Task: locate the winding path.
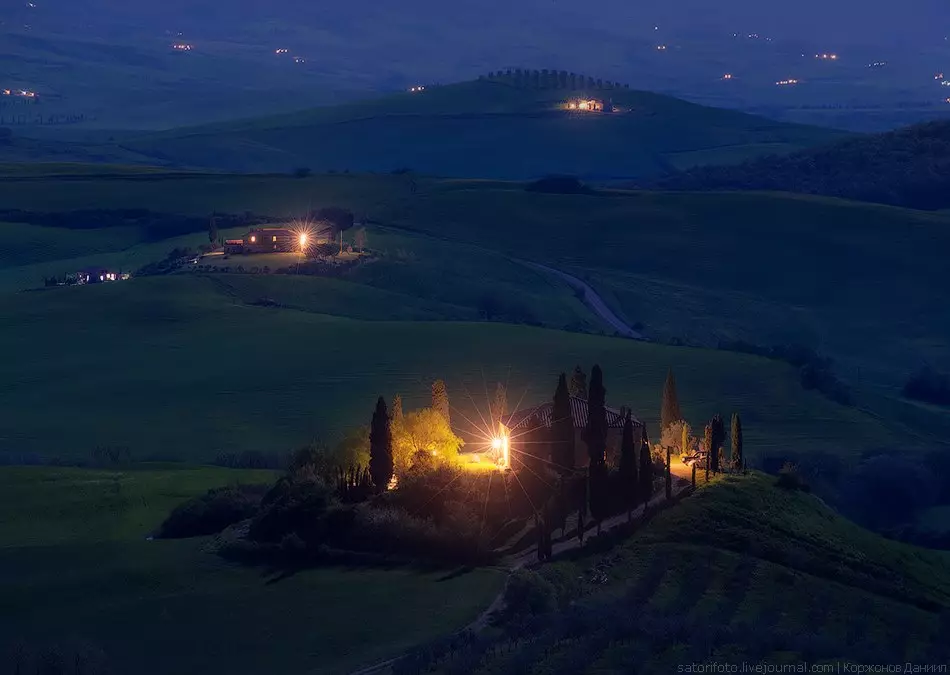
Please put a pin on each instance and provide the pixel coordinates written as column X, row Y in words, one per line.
column 590, row 298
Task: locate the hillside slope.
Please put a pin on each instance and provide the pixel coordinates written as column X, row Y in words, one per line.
column 487, row 128
column 908, row 167
column 742, row 571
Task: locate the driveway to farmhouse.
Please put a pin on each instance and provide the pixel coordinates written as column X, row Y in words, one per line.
column 590, row 298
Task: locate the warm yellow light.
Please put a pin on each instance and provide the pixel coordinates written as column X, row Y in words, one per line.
column 303, row 239
column 253, row 239
column 496, row 444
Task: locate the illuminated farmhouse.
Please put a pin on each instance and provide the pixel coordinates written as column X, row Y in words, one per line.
column 518, row 425
column 589, row 105
column 270, row 240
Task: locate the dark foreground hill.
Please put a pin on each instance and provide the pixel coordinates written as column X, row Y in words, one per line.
column 743, row 572
column 908, row 167
column 504, row 127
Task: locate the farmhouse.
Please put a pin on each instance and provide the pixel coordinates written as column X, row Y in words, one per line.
column 589, row 105
column 518, row 424
column 268, row 240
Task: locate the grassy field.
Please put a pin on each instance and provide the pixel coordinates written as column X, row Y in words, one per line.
column 487, row 129
column 76, row 566
column 175, row 367
column 857, row 282
column 779, row 568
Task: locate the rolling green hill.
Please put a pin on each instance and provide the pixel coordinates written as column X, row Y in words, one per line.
column 76, row 539
column 908, row 167
column 742, row 571
column 857, row 282
column 485, row 128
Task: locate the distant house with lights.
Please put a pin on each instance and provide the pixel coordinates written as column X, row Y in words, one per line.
column 589, row 105
column 266, row 240
column 519, row 423
column 98, row 275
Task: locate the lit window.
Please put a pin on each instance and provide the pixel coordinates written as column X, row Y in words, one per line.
column 253, row 239
column 275, row 238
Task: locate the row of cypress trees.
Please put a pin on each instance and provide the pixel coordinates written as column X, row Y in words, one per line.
column 550, row 79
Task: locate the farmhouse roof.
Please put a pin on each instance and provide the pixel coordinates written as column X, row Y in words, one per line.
column 579, row 411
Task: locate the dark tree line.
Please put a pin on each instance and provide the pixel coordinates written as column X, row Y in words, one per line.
column 909, row 167
column 550, row 79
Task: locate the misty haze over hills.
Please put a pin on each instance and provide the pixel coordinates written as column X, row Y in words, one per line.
column 111, row 62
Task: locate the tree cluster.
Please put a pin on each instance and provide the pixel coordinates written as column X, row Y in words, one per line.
column 909, row 167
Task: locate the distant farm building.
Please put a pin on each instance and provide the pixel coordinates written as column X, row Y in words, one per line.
column 589, row 105
column 98, row 275
column 519, row 423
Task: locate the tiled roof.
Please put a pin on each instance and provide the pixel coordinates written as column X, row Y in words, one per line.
column 520, row 418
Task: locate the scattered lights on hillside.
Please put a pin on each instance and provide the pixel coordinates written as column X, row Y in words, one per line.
column 877, row 64
column 727, row 76
column 661, row 48
column 786, row 83
column 182, row 47
column 939, row 76
column 22, row 93
column 826, row 57
column 281, row 51
column 299, row 59
column 416, row 89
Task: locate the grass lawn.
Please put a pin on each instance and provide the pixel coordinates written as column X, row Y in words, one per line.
column 75, row 565
column 173, row 367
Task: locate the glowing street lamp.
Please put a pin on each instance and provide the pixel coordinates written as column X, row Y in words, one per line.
column 303, row 242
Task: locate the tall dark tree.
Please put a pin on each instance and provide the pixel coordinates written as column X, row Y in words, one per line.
column 440, row 400
column 629, row 477
column 213, row 231
column 562, row 428
column 499, row 406
column 737, row 456
column 529, row 461
column 718, row 440
column 646, row 469
column 595, row 434
column 670, row 409
column 581, row 508
column 578, row 385
column 669, row 473
column 381, row 447
column 599, row 492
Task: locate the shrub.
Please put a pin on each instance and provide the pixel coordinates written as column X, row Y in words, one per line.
column 296, row 504
column 213, row 511
column 528, row 593
column 790, row 479
column 928, row 386
column 559, row 184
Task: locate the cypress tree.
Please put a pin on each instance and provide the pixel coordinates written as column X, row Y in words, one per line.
column 595, row 435
column 582, row 509
column 628, row 467
column 718, row 439
column 440, row 400
column 562, row 428
column 707, row 447
column 669, row 475
column 737, row 457
column 599, row 479
column 694, row 475
column 499, row 406
column 670, row 409
column 646, row 470
column 578, row 385
column 381, row 447
column 396, row 416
